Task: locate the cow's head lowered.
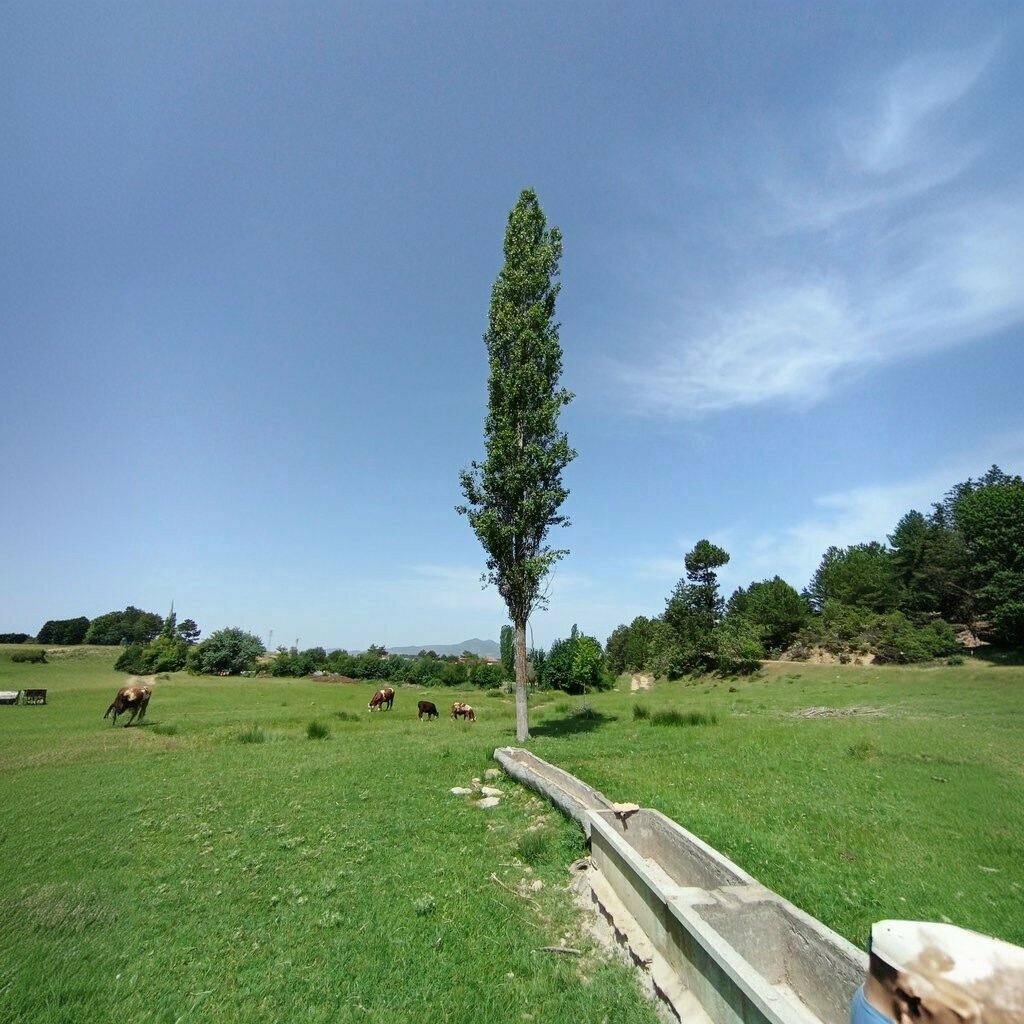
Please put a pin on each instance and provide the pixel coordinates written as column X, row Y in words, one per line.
column 130, row 698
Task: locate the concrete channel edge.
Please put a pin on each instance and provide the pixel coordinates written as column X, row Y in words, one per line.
column 718, row 947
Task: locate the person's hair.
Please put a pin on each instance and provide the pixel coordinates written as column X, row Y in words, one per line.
column 881, row 971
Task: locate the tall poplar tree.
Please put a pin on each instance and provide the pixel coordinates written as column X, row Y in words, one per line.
column 513, row 497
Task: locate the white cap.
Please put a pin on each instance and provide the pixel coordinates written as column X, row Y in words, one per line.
column 988, row 971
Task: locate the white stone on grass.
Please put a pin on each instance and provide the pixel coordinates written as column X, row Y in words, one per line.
column 493, row 773
column 460, row 791
column 491, row 791
column 488, row 801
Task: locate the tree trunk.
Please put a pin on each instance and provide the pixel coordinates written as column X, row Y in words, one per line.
column 522, row 717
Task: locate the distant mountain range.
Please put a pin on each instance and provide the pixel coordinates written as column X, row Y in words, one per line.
column 483, row 648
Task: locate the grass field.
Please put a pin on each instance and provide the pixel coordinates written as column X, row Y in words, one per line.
column 229, row 862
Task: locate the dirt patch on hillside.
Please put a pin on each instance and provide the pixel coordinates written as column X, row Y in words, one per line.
column 640, row 681
column 819, row 656
column 141, row 681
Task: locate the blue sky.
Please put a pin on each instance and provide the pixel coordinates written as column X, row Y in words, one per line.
column 248, row 257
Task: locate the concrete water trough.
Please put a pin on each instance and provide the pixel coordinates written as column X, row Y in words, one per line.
column 717, row 946
column 570, row 795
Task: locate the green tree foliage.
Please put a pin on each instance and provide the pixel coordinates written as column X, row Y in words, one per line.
column 513, row 497
column 130, row 626
column 168, row 629
column 231, row 651
column 298, row 663
column 63, row 631
column 575, row 665
column 164, row 654
column 14, row 638
column 861, row 575
column 931, row 566
column 628, row 648
column 667, row 656
column 693, row 610
column 891, row 637
column 774, row 608
column 990, row 518
column 508, row 662
column 737, row 645
column 189, row 631
column 897, row 640
column 167, row 652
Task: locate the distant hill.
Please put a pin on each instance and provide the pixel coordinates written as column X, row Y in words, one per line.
column 484, row 648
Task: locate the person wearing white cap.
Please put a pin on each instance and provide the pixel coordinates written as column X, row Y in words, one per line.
column 937, row 973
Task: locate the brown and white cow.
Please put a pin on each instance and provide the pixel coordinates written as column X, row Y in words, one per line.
column 382, row 699
column 463, row 710
column 130, row 698
column 428, row 708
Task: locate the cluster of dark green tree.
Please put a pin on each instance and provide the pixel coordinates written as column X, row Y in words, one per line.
column 575, row 665
column 425, row 669
column 14, row 638
column 696, row 632
column 166, row 651
column 959, row 567
column 229, row 652
column 131, row 626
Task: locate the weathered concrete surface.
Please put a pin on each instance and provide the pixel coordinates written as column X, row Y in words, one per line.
column 565, row 791
column 716, row 944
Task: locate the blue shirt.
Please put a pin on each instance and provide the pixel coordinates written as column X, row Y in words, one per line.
column 862, row 1012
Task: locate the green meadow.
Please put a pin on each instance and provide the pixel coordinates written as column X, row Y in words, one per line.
column 267, row 850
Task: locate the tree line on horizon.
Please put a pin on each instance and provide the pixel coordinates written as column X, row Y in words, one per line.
column 114, row 629
column 959, row 567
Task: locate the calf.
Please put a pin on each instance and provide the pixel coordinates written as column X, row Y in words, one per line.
column 130, row 698
column 382, row 699
column 428, row 708
column 461, row 710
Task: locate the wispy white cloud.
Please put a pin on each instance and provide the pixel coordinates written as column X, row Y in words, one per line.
column 881, row 250
column 895, row 130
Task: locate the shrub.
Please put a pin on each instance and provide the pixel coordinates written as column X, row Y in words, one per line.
column 954, row 661
column 900, row 641
column 33, row 657
column 533, row 847
column 253, row 734
column 298, row 663
column 425, row 905
column 317, row 730
column 14, row 638
column 684, row 718
column 228, row 652
column 737, row 646
column 133, row 659
column 862, row 750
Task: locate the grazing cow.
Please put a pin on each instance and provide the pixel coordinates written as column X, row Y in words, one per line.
column 462, row 710
column 428, row 708
column 382, row 699
column 130, row 698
